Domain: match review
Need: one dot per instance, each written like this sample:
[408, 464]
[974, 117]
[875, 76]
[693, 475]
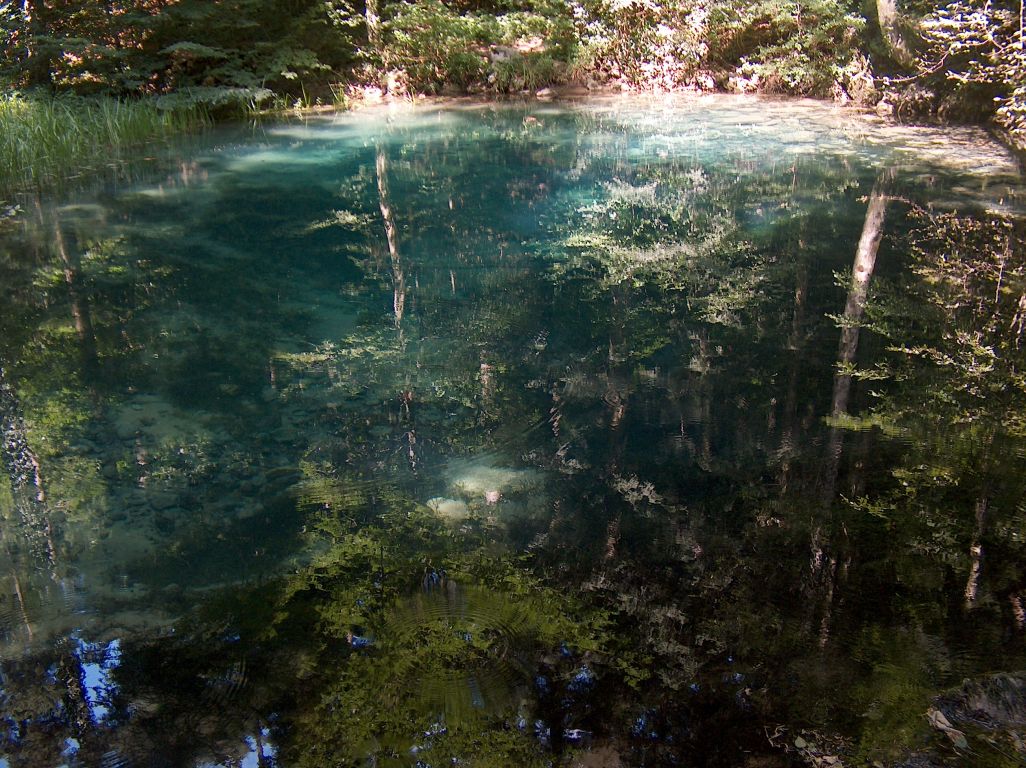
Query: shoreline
[77, 175]
[574, 93]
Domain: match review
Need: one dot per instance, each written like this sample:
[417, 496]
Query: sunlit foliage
[978, 48]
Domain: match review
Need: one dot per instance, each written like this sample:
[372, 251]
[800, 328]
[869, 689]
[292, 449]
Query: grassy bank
[44, 140]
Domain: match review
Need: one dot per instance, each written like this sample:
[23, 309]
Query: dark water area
[632, 432]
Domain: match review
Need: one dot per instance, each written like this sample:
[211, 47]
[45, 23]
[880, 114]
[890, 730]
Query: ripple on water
[115, 759]
[478, 640]
[43, 607]
[12, 620]
[225, 685]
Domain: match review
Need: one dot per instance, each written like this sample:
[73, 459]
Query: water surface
[519, 434]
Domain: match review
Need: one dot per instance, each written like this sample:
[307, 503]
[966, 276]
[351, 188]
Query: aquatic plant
[46, 140]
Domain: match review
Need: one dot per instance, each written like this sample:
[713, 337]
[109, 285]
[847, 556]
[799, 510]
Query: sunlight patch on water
[721, 124]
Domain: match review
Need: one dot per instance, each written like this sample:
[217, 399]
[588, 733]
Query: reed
[46, 140]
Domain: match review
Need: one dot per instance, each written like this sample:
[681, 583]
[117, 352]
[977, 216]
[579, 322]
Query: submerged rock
[995, 700]
[483, 478]
[992, 707]
[449, 509]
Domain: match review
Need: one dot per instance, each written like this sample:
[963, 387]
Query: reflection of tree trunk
[794, 344]
[862, 271]
[826, 614]
[854, 308]
[391, 234]
[19, 460]
[20, 596]
[972, 584]
[707, 425]
[79, 304]
[1018, 610]
[22, 468]
[76, 703]
[615, 396]
[70, 671]
[262, 761]
[612, 539]
[801, 288]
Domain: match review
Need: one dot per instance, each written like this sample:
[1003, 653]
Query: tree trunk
[372, 16]
[890, 27]
[38, 60]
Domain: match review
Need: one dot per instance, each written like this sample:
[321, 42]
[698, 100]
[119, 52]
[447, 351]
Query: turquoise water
[518, 434]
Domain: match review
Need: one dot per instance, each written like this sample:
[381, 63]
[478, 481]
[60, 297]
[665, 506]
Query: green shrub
[973, 52]
[435, 45]
[642, 42]
[785, 45]
[548, 22]
[529, 71]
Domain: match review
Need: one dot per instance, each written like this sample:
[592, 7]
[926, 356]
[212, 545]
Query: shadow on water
[625, 432]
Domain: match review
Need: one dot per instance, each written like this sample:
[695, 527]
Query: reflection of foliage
[343, 219]
[896, 694]
[963, 341]
[672, 394]
[675, 234]
[956, 404]
[436, 662]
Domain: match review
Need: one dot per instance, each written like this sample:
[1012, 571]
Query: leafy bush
[785, 45]
[132, 47]
[434, 44]
[529, 71]
[778, 45]
[644, 43]
[546, 22]
[976, 49]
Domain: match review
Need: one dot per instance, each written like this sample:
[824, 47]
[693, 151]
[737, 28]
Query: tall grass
[45, 140]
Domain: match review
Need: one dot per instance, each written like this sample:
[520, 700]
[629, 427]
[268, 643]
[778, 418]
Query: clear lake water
[520, 434]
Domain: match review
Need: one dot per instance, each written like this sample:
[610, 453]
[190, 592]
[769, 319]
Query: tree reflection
[391, 234]
[515, 484]
[23, 471]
